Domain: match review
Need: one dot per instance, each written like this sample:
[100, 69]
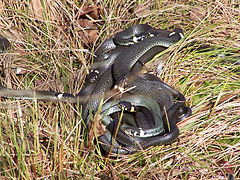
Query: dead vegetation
[52, 47]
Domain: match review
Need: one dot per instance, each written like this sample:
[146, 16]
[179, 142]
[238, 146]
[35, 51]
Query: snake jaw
[121, 84]
[128, 132]
[132, 133]
[171, 34]
[151, 35]
[137, 39]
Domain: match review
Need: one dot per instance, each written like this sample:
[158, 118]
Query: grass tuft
[44, 140]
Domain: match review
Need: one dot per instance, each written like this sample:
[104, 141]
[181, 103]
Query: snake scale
[147, 112]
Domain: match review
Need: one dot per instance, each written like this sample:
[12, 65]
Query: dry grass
[43, 140]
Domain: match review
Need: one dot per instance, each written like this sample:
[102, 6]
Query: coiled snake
[147, 113]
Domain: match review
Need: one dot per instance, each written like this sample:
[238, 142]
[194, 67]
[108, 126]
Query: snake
[109, 144]
[135, 101]
[139, 32]
[117, 59]
[112, 70]
[161, 92]
[35, 94]
[163, 43]
[163, 96]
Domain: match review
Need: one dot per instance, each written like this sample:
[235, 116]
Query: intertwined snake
[146, 113]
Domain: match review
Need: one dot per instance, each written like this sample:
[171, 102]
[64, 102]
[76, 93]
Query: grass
[44, 140]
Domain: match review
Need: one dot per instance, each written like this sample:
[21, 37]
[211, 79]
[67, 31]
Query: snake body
[123, 70]
[161, 92]
[139, 32]
[141, 52]
[38, 95]
[162, 96]
[136, 100]
[111, 68]
[110, 144]
[30, 94]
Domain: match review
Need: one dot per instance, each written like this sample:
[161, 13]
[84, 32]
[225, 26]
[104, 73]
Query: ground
[52, 47]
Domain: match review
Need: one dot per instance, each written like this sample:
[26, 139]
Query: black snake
[157, 106]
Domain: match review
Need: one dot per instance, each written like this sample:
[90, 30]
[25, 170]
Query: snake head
[126, 106]
[184, 112]
[92, 76]
[139, 132]
[121, 83]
